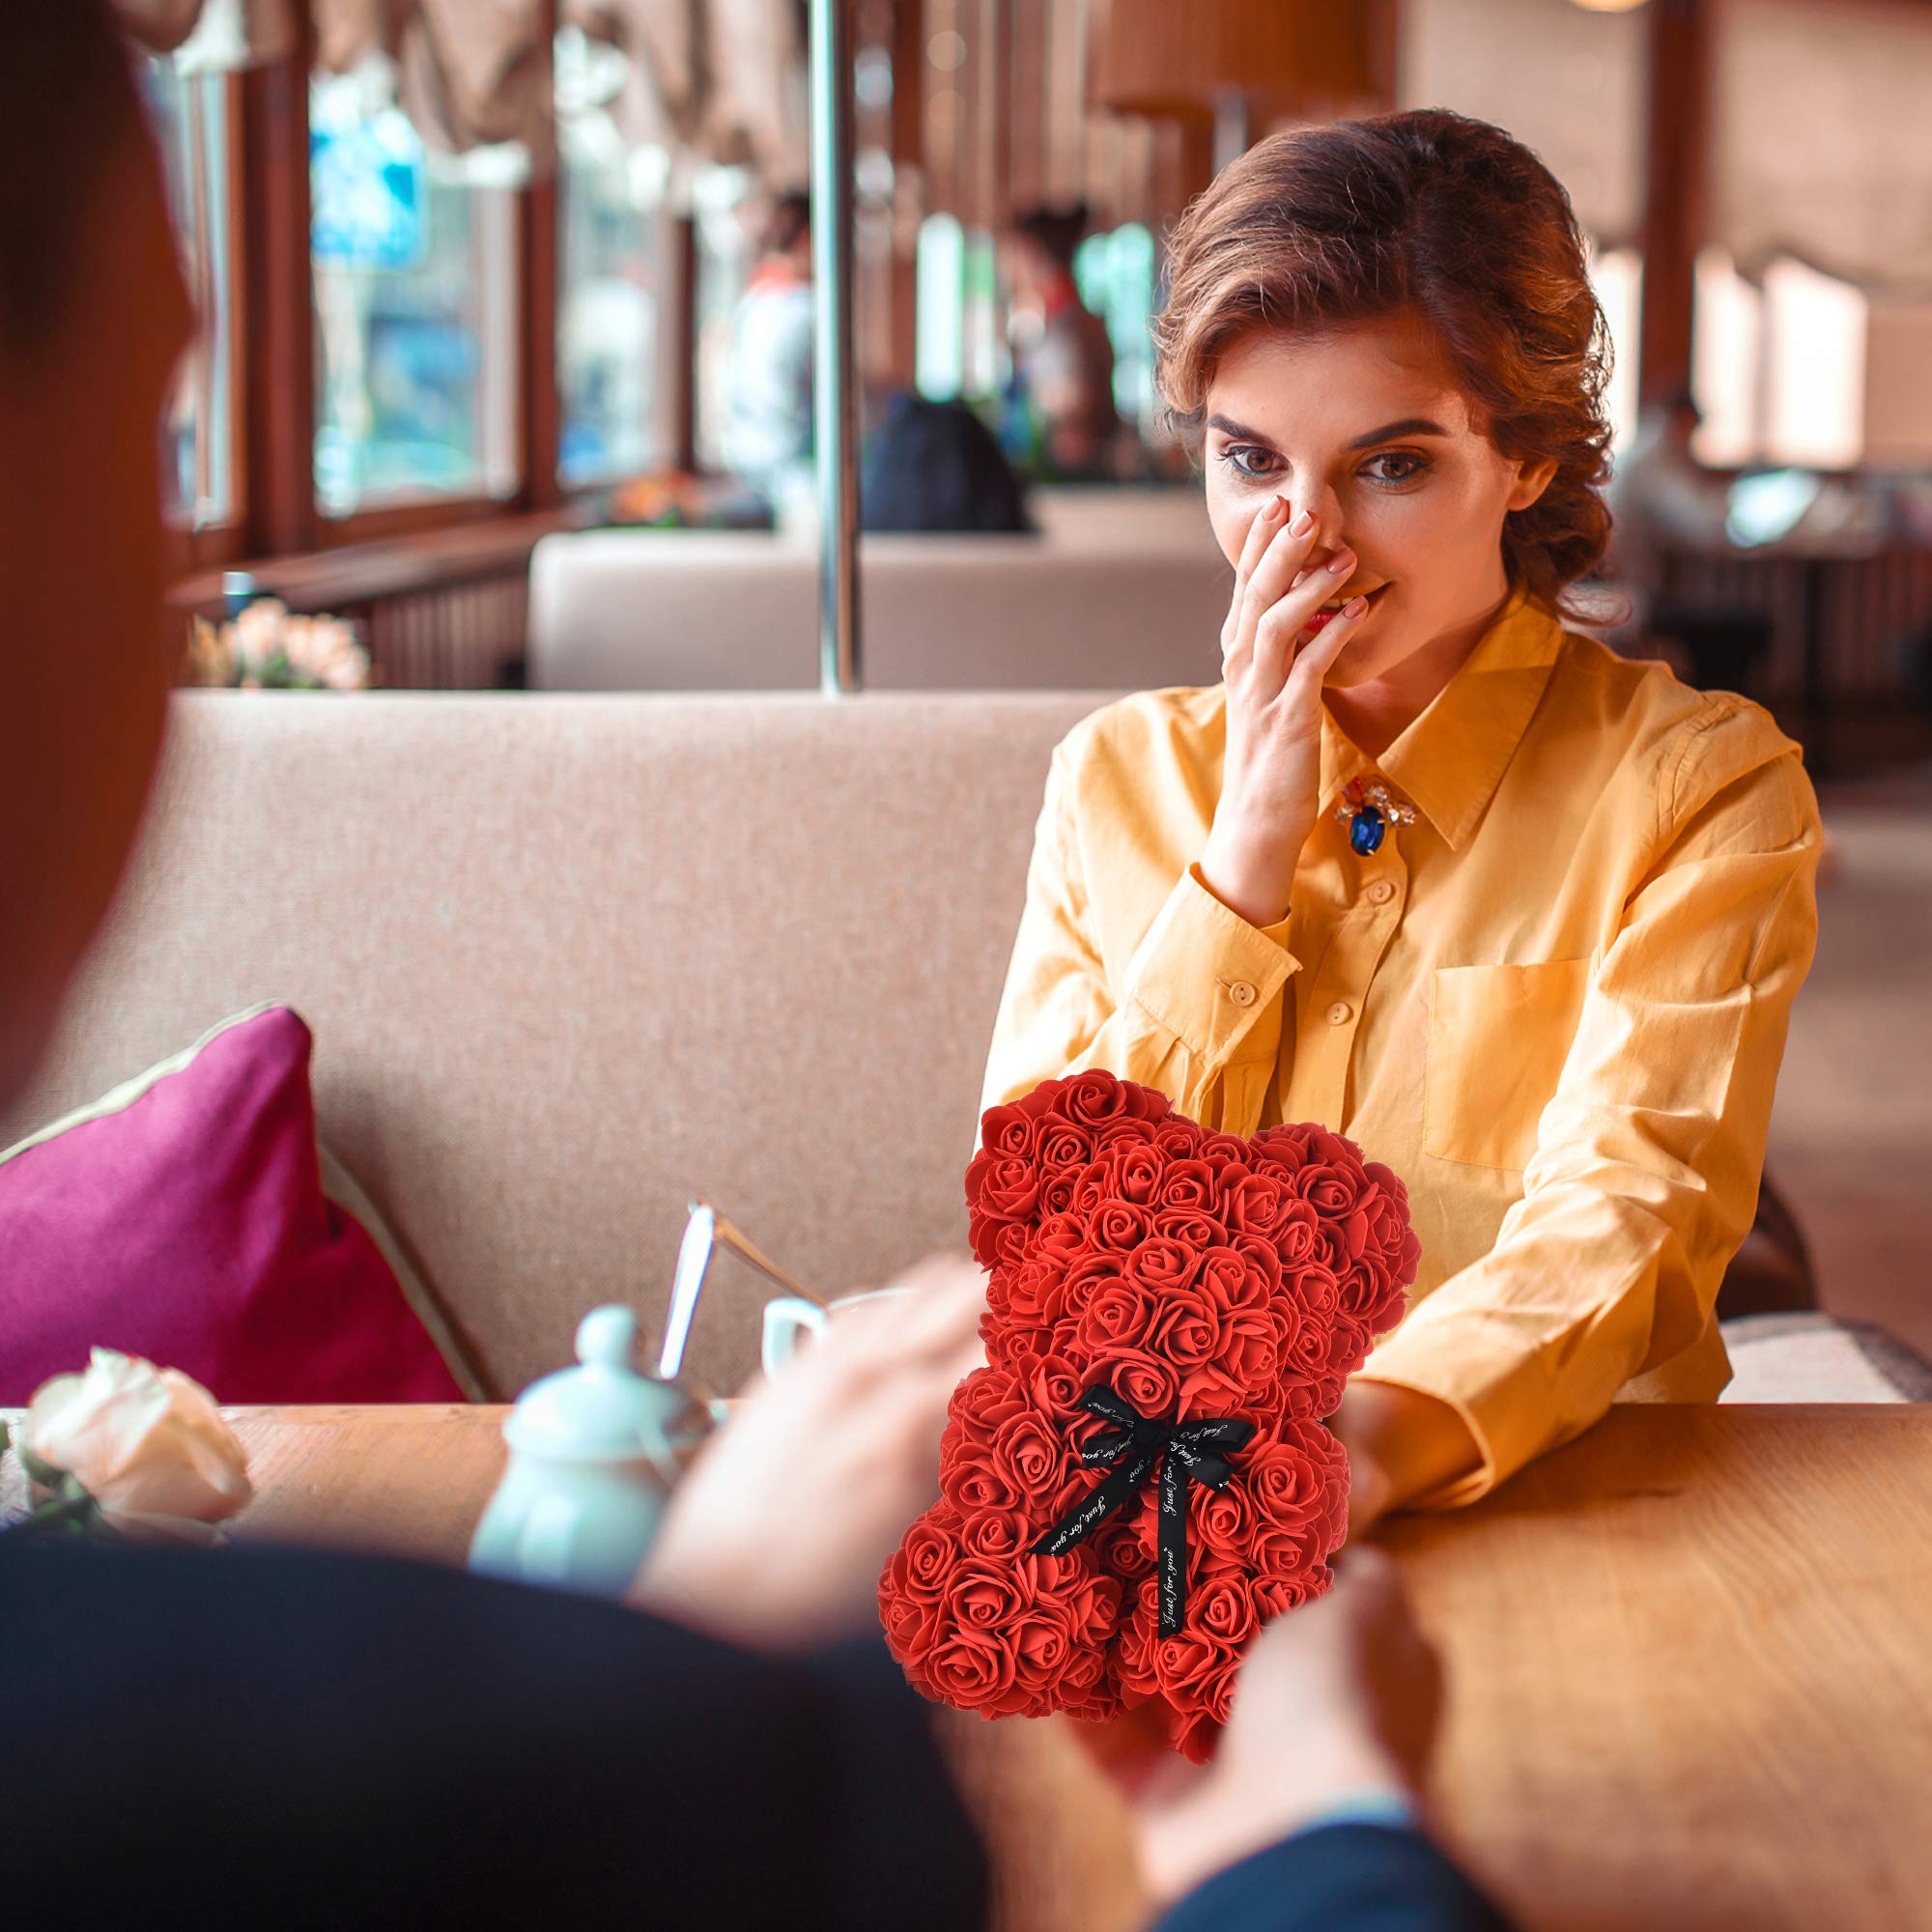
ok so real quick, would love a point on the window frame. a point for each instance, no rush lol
(188, 547)
(274, 517)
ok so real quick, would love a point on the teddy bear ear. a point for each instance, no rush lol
(1042, 1098)
(1008, 1131)
(1093, 1096)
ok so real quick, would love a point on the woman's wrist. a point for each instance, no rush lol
(1256, 886)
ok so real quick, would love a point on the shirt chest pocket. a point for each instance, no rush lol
(1498, 1036)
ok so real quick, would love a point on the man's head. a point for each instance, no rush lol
(787, 235)
(93, 319)
(1036, 250)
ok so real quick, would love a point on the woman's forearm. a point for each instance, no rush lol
(1401, 1444)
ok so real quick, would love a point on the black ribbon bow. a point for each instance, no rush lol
(1190, 1452)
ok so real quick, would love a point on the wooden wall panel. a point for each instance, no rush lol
(1026, 66)
(1067, 101)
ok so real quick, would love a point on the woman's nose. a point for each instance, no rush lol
(1329, 544)
(1330, 539)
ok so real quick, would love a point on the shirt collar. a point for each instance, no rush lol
(1451, 757)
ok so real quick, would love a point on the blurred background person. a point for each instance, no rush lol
(1061, 401)
(767, 429)
(936, 467)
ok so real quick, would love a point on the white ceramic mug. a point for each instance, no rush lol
(789, 1316)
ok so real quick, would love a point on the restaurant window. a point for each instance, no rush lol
(1778, 369)
(987, 360)
(415, 289)
(960, 349)
(1814, 348)
(613, 260)
(189, 115)
(940, 309)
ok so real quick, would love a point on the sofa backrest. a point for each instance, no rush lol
(1133, 517)
(573, 961)
(738, 610)
(1094, 515)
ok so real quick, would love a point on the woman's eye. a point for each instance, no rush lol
(1416, 466)
(1248, 458)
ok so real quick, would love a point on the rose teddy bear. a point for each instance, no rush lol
(1141, 1475)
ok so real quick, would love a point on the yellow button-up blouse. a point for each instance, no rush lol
(1555, 1004)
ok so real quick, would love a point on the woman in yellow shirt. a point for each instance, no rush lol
(1521, 917)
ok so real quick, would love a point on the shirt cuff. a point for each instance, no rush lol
(1484, 1367)
(1205, 974)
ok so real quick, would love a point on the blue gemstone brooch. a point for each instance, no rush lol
(1367, 810)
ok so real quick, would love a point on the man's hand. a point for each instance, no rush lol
(778, 1532)
(1341, 1696)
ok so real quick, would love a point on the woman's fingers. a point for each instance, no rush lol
(1261, 533)
(1268, 582)
(1275, 653)
(1281, 551)
(1325, 647)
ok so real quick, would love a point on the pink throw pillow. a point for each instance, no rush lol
(182, 1218)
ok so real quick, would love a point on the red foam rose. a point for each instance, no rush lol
(1197, 1274)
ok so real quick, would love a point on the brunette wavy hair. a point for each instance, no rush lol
(1427, 213)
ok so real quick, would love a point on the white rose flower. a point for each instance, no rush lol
(147, 1444)
(258, 634)
(325, 649)
(294, 641)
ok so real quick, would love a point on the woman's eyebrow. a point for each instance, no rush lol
(1228, 426)
(1408, 426)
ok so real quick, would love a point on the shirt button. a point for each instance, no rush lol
(1242, 993)
(1381, 892)
(1339, 1012)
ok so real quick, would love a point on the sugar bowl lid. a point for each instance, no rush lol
(603, 1410)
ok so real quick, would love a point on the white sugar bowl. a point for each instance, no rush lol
(594, 1451)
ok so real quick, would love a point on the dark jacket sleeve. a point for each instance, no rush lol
(1339, 1878)
(257, 1737)
(905, 1851)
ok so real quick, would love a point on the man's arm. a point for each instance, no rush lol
(304, 1739)
(1344, 1875)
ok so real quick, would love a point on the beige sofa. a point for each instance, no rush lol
(738, 610)
(571, 961)
(1113, 515)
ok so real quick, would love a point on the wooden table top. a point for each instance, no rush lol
(1689, 1663)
